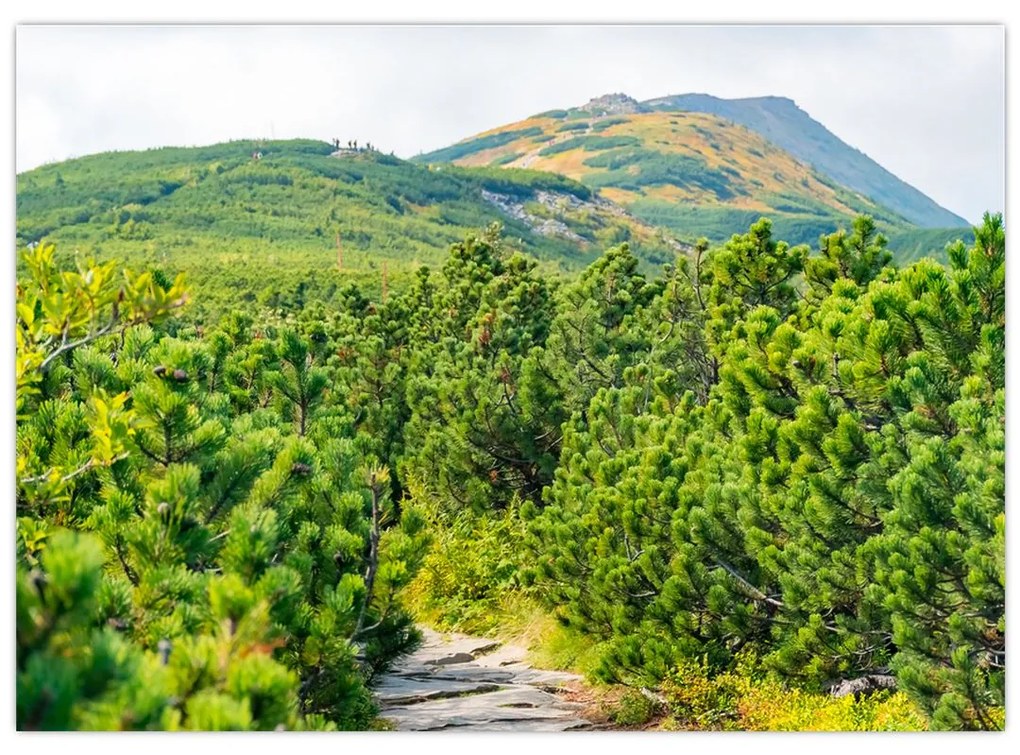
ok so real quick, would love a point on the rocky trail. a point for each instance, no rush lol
(455, 682)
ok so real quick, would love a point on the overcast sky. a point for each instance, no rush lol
(925, 102)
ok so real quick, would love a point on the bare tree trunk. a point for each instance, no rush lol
(373, 554)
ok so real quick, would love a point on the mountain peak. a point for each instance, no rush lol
(784, 123)
(616, 103)
(774, 99)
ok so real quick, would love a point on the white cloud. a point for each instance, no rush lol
(925, 102)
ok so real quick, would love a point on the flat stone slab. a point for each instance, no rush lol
(443, 650)
(472, 673)
(569, 724)
(503, 656)
(446, 660)
(455, 682)
(549, 725)
(508, 705)
(540, 678)
(400, 690)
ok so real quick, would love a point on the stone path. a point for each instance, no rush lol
(456, 682)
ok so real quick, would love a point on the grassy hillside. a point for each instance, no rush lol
(264, 231)
(270, 225)
(696, 174)
(779, 120)
(707, 174)
(911, 244)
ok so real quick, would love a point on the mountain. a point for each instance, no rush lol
(241, 208)
(779, 120)
(279, 223)
(702, 173)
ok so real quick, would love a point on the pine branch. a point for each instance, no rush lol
(86, 467)
(743, 581)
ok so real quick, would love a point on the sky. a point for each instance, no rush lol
(927, 103)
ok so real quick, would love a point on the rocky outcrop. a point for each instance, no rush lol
(613, 104)
(562, 204)
(863, 685)
(544, 226)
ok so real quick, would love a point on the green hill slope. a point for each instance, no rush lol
(260, 222)
(270, 223)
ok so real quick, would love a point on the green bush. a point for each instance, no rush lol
(820, 479)
(654, 169)
(604, 123)
(204, 540)
(551, 114)
(633, 709)
(750, 699)
(589, 144)
(470, 573)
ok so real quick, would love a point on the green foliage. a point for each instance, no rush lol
(205, 541)
(507, 158)
(484, 414)
(263, 234)
(717, 223)
(470, 146)
(757, 452)
(522, 183)
(588, 143)
(750, 272)
(633, 167)
(63, 310)
(914, 243)
(940, 559)
(595, 334)
(859, 257)
(574, 126)
(471, 572)
(551, 114)
(749, 698)
(831, 496)
(633, 709)
(71, 672)
(603, 123)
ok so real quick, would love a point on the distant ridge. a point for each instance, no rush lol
(783, 123)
